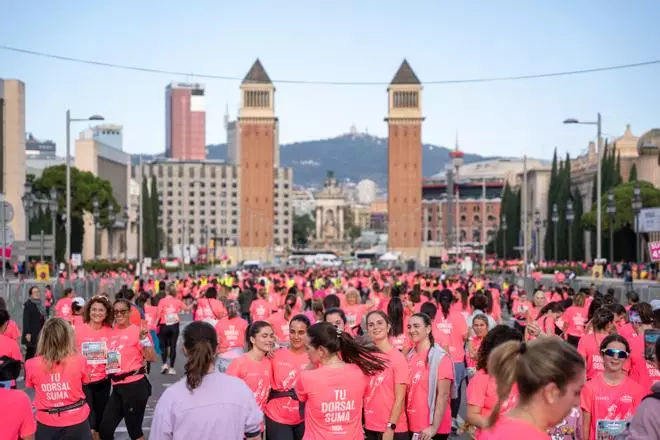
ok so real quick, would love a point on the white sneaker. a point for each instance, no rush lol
(164, 369)
(171, 371)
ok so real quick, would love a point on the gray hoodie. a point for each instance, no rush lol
(645, 424)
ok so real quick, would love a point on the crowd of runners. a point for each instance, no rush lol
(325, 354)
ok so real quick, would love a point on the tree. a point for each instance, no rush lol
(155, 210)
(85, 187)
(148, 225)
(303, 226)
(633, 173)
(624, 219)
(351, 229)
(553, 194)
(576, 227)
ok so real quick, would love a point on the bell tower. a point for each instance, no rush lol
(257, 126)
(404, 162)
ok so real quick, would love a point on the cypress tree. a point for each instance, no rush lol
(578, 238)
(155, 209)
(147, 220)
(552, 199)
(633, 173)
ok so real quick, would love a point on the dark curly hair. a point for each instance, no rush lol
(498, 335)
(105, 302)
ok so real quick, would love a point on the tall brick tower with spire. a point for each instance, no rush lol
(404, 157)
(257, 132)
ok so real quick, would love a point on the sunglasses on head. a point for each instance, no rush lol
(615, 353)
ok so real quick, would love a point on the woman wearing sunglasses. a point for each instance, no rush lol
(129, 347)
(610, 395)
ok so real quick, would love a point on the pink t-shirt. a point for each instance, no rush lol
(589, 348)
(575, 318)
(125, 353)
(379, 399)
(93, 346)
(63, 308)
(482, 393)
(400, 342)
(76, 321)
(209, 310)
(280, 327)
(452, 333)
(333, 397)
(642, 371)
(260, 310)
(355, 313)
(256, 375)
(286, 367)
(417, 405)
(17, 419)
(607, 402)
(9, 347)
(169, 309)
(151, 316)
(60, 386)
(231, 333)
(473, 343)
(12, 330)
(507, 428)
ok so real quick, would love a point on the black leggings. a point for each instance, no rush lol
(76, 432)
(167, 336)
(280, 431)
(128, 402)
(373, 435)
(573, 340)
(97, 395)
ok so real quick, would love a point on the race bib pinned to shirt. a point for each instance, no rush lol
(113, 365)
(171, 319)
(610, 429)
(95, 353)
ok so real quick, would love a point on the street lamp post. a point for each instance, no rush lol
(599, 181)
(28, 203)
(69, 120)
(97, 224)
(555, 220)
(637, 207)
(537, 223)
(125, 218)
(111, 220)
(570, 216)
(611, 212)
(504, 228)
(53, 217)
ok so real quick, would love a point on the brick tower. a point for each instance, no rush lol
(257, 131)
(404, 163)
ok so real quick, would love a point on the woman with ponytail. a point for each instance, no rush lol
(430, 388)
(602, 323)
(482, 393)
(333, 391)
(549, 374)
(452, 331)
(232, 414)
(284, 419)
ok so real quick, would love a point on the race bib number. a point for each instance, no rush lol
(95, 353)
(171, 318)
(610, 429)
(113, 364)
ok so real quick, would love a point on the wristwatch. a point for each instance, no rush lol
(391, 426)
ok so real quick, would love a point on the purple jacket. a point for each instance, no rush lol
(645, 424)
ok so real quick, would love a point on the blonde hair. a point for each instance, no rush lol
(579, 299)
(56, 341)
(532, 366)
(353, 293)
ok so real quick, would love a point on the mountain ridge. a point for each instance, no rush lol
(352, 156)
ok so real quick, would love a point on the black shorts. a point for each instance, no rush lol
(76, 432)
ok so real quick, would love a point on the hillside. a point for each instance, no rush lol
(350, 156)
